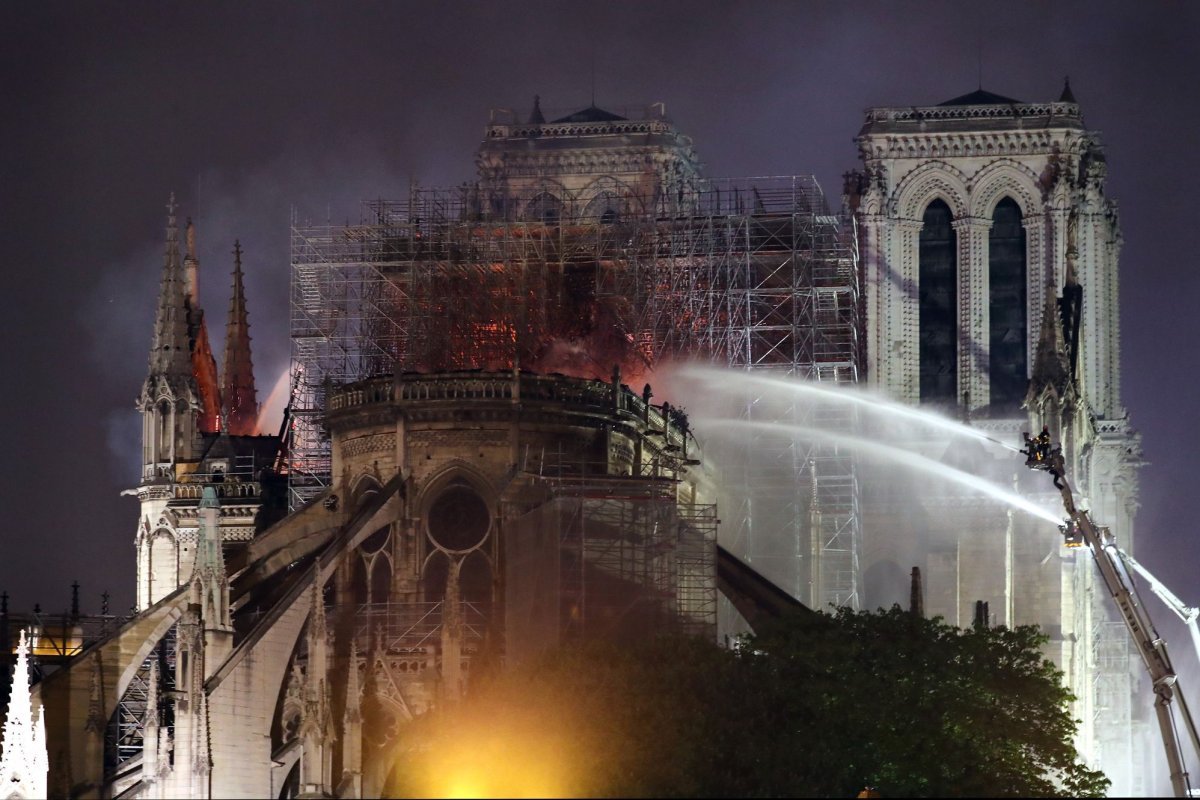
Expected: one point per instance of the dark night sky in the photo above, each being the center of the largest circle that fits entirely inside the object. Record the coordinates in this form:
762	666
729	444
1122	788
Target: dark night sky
249	113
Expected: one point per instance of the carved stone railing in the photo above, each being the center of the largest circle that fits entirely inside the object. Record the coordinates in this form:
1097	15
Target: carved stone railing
225	489
996	111
471	386
608	128
466	387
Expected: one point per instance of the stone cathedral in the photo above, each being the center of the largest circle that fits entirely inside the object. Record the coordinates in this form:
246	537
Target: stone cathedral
480	490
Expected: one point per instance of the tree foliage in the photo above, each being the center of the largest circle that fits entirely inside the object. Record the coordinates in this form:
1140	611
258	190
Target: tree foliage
817	705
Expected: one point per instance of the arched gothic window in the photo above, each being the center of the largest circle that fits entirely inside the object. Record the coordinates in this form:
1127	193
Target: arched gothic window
358	581
163	569
544	208
1008	363
602	209
381	579
163	443
937	282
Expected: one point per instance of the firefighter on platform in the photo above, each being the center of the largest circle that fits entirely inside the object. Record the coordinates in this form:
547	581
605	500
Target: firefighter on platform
1038	448
1040	453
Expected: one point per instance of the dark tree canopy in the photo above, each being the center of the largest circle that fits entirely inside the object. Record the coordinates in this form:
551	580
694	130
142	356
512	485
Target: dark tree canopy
816	706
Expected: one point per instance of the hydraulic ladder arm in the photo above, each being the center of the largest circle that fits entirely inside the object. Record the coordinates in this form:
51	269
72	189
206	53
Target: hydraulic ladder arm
1188	614
1120	586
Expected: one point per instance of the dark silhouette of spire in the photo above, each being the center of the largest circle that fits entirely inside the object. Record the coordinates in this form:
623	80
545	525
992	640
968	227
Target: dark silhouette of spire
240	396
170	351
916	594
536	117
1067	95
1051	371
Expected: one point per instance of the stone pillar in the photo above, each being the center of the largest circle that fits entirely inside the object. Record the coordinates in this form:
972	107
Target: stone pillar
901	348
452	635
973	311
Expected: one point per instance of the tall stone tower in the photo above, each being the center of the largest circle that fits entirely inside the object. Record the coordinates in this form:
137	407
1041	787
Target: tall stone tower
593	164
170	404
990	253
186	443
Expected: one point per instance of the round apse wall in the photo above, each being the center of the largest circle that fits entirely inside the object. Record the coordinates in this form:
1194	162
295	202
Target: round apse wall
458	519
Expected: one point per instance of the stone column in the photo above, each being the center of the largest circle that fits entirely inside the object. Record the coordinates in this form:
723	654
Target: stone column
973	311
901	348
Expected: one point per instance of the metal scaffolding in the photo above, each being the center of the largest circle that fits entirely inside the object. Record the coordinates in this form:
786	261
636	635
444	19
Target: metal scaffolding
123	735
753	274
613	557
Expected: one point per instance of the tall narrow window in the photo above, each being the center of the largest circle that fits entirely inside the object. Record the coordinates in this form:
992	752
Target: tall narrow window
938	295
1008	361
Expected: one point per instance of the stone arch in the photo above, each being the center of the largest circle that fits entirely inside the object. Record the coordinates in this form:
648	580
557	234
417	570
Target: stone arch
166	618
930	181
603	199
1000	179
458	518
291	784
546	208
601	185
435	571
540	194
359	577
456	469
162	573
603	207
363	487
1008	302
380	578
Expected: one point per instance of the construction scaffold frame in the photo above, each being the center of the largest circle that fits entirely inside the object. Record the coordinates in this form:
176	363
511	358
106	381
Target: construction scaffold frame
610	556
752	274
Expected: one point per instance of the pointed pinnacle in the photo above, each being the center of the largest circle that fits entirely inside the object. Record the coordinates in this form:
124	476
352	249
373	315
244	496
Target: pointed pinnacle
239	395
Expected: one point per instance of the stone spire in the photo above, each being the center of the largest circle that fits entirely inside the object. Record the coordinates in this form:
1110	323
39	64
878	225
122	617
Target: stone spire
536	117
316	729
210	561
1050	370
170	351
170	403
1067	95
150	731
352	727
238	392
353	690
208	572
95	716
24	764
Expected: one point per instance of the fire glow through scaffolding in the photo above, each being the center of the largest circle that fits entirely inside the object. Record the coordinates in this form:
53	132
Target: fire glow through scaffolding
752	274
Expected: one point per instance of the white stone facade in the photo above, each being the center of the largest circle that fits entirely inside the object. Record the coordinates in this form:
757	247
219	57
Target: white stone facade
971	154
24	765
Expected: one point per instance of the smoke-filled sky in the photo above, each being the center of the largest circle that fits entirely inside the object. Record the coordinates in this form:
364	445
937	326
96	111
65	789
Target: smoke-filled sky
251	113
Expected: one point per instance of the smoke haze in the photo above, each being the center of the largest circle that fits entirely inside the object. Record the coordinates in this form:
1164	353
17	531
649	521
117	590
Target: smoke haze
251	113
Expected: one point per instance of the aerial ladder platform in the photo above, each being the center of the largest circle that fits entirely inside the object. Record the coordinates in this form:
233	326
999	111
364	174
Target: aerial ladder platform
1080	531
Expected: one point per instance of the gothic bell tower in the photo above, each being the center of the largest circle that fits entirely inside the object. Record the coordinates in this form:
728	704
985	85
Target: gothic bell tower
989	254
